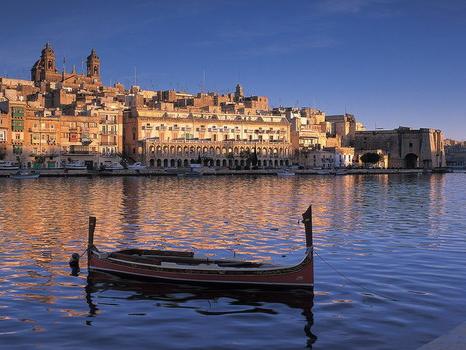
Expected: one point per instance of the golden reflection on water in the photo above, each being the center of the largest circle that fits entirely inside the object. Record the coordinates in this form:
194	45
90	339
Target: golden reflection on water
254	216
397	235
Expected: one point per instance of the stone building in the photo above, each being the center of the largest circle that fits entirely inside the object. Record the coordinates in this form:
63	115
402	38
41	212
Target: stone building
317	159
176	139
343	128
45	70
308	128
5	136
455	154
404	147
58	117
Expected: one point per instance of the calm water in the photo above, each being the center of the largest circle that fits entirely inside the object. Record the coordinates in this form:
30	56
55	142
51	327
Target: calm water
402	236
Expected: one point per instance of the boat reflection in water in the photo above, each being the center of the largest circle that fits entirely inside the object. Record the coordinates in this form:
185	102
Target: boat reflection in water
172	295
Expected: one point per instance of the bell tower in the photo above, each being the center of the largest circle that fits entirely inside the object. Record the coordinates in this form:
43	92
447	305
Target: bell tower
239	93
93	65
48	57
45	68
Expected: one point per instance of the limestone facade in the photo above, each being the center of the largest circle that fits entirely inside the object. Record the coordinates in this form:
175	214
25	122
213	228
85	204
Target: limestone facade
404	147
174	139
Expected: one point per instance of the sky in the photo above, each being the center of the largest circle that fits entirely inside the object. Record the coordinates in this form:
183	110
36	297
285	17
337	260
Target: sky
389	62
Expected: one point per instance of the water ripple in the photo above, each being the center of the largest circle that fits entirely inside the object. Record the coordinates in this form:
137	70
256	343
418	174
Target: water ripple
398	235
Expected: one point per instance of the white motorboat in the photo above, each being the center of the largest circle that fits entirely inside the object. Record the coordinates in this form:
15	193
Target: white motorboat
113	166
136	166
195	170
7	165
285	172
24	174
75	165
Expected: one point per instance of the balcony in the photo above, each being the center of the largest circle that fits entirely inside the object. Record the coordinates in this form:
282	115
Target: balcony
107	122
39	130
108	143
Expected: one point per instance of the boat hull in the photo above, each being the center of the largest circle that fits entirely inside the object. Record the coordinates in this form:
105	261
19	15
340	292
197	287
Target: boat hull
24	177
297	276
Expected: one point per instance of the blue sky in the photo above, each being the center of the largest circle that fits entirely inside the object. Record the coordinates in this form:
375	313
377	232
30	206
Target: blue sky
389	62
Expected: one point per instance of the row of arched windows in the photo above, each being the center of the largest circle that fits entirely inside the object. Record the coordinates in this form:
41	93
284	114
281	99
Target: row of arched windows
217	151
180	163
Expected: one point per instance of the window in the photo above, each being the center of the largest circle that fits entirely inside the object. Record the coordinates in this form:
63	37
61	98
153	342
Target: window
17	125
2	136
17	112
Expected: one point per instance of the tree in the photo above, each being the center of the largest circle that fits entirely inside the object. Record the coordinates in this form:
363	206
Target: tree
371	158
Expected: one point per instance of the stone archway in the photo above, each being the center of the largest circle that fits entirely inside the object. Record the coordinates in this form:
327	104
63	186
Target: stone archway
152	163
411	161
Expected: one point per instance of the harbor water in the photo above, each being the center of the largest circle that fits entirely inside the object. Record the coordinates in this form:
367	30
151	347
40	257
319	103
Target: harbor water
389	271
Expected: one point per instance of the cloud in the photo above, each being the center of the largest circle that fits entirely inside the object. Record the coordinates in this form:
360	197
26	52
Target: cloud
288	47
355	7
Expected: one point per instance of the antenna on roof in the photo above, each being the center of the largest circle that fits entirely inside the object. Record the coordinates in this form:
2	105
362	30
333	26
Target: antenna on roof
203	81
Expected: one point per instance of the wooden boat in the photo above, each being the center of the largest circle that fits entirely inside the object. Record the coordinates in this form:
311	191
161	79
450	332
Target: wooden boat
22	174
185	267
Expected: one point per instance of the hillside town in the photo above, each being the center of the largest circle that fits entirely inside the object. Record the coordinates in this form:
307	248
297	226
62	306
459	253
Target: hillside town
61	117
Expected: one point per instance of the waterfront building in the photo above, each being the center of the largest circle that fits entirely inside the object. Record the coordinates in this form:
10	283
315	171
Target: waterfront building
317	159
455	154
178	138
404	147
308	128
342	128
59	117
5	136
344	156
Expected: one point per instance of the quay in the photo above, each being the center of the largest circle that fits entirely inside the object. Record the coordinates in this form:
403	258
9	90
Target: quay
453	340
211	172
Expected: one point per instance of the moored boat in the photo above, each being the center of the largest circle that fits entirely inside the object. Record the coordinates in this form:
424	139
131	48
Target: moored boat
136	166
195	170
75	165
285	172
24	174
113	166
184	266
7	165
